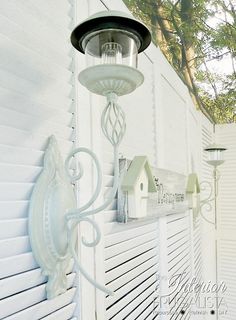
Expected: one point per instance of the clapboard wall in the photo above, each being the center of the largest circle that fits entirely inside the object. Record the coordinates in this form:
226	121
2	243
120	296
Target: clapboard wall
36	101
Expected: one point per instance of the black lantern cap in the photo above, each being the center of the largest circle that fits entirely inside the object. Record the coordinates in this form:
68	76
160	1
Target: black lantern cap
215	146
110	20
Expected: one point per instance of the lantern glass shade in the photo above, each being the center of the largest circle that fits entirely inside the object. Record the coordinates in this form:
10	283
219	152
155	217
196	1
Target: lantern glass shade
111	42
111	47
215	154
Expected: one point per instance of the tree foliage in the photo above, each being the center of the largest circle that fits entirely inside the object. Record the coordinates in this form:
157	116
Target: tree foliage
198	37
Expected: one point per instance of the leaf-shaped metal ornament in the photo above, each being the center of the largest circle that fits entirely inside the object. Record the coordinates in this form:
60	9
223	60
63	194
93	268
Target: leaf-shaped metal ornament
52	197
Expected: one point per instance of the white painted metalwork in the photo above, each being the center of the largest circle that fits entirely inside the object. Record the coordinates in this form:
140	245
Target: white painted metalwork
104	79
207	203
110	80
113	127
215	158
52	196
53	215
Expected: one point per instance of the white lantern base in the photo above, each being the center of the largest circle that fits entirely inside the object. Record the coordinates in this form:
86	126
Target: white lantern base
215	163
106	78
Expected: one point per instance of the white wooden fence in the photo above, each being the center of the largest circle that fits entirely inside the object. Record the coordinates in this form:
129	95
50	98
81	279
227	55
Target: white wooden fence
39	97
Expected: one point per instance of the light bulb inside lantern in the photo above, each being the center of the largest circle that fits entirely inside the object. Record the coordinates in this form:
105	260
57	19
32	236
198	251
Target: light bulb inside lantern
111	47
111	53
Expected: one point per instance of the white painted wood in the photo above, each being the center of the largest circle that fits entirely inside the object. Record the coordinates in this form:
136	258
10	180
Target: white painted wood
26	298
36	95
11	173
123	307
129	254
16	264
36	99
17	283
133	283
179	261
13	228
123	269
120	282
208	231
12	137
44	308
63	313
13	209
226	222
128	245
123	233
14	246
15	191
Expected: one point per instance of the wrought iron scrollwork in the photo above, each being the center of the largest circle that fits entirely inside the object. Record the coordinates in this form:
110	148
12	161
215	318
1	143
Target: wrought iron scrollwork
113	126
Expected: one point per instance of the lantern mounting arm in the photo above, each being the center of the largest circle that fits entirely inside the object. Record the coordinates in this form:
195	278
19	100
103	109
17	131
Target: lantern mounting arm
54	215
207	203
113	126
76	216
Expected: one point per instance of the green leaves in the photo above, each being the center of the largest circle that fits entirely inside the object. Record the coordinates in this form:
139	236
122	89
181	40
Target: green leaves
198	37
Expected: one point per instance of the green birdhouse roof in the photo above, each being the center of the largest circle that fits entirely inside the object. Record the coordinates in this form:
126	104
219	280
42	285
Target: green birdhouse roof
131	177
192	184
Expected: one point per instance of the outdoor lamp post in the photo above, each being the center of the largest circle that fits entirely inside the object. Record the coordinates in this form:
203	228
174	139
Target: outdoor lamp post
215	158
111	40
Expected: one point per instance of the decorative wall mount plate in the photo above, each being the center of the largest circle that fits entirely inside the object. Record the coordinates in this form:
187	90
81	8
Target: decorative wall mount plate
52	197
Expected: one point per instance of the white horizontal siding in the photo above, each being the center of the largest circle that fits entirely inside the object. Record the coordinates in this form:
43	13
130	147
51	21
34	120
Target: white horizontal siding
36	98
226	135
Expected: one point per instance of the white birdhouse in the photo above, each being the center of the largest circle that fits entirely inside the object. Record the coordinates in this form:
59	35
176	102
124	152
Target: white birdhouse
138	182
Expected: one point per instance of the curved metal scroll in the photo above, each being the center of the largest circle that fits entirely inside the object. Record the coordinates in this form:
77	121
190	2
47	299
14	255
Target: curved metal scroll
113	126
206	204
53	216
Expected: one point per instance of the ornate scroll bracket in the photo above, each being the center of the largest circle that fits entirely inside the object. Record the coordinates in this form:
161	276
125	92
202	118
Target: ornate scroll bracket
53	215
206	205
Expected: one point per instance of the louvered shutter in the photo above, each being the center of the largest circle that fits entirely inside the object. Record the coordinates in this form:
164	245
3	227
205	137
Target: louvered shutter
208	230
197	249
131	251
226	216
179	264
36	101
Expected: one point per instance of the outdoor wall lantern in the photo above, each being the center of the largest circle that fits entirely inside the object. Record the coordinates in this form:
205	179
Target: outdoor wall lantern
215	158
111	41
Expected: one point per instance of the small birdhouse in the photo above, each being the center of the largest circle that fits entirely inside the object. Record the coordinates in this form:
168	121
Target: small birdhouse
138	182
193	193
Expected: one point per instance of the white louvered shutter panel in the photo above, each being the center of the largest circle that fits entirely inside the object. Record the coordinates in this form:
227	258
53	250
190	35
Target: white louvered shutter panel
179	263
197	249
36	102
131	251
195	152
226	216
208	230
